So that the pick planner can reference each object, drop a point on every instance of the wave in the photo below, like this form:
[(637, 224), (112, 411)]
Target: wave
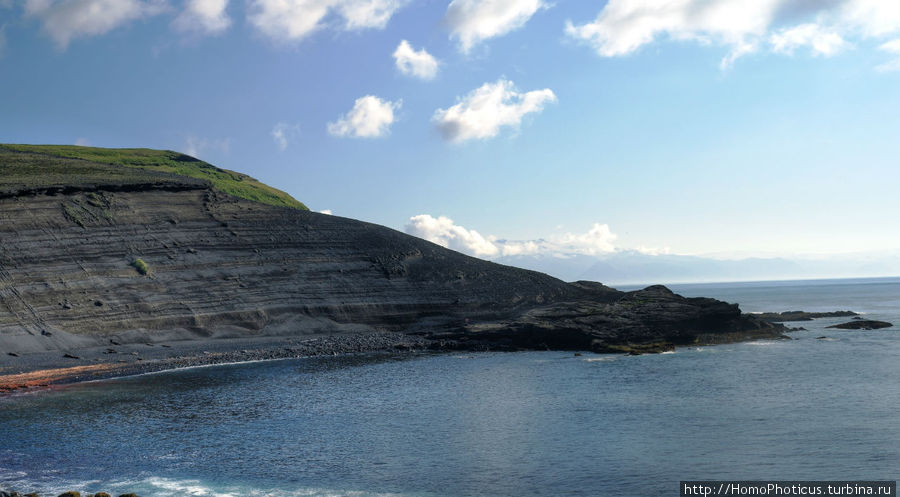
[(157, 486)]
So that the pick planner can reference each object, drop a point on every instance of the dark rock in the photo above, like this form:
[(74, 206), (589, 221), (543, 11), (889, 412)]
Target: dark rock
[(98, 303), (12, 354), (71, 356), (862, 324), (70, 494), (777, 317), (129, 495), (102, 494), (32, 494)]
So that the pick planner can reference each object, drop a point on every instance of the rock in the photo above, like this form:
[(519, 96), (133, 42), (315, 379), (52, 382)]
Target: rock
[(129, 495), (12, 354), (777, 317), (70, 494), (32, 494), (862, 324), (71, 356), (821, 338), (102, 494)]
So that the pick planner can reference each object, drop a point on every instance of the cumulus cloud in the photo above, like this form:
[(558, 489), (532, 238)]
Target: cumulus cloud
[(473, 21), (824, 26), (66, 20), (293, 20), (370, 117), (444, 232), (599, 239), (283, 133), (326, 211), (482, 112), (203, 16), (821, 41), (419, 64)]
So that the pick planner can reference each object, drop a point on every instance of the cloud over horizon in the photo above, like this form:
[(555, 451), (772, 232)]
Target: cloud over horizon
[(483, 111), (370, 117), (442, 230)]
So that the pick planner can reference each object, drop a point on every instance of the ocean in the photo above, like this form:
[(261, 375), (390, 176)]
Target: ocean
[(488, 424)]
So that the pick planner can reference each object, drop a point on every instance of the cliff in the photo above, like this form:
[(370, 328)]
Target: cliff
[(95, 249)]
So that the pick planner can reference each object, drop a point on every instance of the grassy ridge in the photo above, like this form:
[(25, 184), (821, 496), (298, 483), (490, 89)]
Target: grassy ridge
[(47, 165)]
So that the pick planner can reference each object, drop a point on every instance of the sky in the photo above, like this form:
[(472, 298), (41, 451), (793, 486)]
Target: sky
[(498, 127)]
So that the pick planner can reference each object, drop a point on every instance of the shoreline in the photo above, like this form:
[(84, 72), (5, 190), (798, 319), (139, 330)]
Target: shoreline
[(42, 370), (33, 372)]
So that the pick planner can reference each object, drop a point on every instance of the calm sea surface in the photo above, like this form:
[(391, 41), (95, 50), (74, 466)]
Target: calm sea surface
[(504, 424)]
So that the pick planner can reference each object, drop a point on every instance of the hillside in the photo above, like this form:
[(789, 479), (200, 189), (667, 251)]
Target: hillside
[(95, 253), (43, 167)]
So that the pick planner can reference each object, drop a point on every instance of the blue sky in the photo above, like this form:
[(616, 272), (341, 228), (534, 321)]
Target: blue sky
[(727, 127)]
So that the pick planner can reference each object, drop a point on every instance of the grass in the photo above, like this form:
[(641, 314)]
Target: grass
[(141, 266), (50, 165)]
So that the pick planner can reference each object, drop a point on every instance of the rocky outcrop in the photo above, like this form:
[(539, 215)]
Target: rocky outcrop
[(650, 320), (100, 264), (778, 317), (862, 324)]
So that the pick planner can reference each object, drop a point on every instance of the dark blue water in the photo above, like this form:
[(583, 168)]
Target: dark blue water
[(537, 423)]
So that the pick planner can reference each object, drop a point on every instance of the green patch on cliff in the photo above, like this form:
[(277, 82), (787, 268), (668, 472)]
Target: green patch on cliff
[(52, 163), (140, 266)]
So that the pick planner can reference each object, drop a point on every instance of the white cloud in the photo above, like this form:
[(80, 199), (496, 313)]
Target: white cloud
[(444, 232), (598, 240), (891, 47), (283, 133), (473, 21), (360, 14), (65, 20), (195, 146), (874, 17), (83, 142), (420, 64), (623, 26), (370, 117), (292, 20), (326, 211), (203, 16), (482, 112), (825, 26), (819, 40)]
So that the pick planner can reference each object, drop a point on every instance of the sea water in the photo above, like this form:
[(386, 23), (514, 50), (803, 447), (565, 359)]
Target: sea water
[(488, 424)]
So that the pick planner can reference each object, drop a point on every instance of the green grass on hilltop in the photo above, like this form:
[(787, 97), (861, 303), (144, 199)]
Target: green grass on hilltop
[(47, 165)]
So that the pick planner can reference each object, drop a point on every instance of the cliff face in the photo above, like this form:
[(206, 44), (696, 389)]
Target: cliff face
[(222, 266)]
